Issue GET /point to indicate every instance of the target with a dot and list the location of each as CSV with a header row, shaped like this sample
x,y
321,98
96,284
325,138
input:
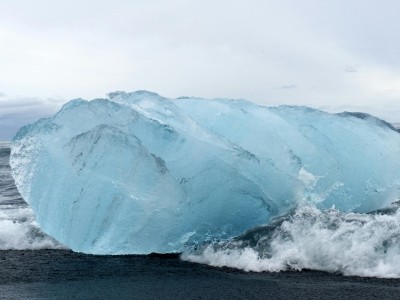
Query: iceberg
x,y
140,173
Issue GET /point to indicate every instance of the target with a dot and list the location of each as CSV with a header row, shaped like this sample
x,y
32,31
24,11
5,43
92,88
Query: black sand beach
x,y
62,274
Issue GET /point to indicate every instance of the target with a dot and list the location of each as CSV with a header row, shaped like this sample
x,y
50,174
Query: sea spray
x,y
308,238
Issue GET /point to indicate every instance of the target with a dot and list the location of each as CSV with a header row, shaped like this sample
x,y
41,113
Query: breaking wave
x,y
308,238
19,231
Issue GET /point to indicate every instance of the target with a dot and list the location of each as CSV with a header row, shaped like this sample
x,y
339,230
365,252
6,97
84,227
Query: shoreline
x,y
61,274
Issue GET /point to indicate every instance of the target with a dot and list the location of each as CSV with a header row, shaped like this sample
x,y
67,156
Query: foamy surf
x,y
332,241
19,231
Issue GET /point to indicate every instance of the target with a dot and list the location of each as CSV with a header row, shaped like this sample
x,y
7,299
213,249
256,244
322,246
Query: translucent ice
x,y
140,173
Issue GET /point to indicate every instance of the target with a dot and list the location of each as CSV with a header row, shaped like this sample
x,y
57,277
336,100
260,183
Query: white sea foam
x,y
19,231
332,241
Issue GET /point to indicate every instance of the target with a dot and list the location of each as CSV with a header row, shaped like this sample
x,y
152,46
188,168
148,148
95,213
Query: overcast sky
x,y
334,55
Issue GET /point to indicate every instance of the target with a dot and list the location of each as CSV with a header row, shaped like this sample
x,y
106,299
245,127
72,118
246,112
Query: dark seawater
x,y
61,274
38,271
9,196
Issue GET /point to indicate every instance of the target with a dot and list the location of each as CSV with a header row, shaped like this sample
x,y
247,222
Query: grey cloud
x,y
16,104
245,52
20,111
388,92
379,110
10,123
287,87
350,69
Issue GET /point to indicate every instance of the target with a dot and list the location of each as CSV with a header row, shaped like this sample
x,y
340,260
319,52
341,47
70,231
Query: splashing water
x,y
308,238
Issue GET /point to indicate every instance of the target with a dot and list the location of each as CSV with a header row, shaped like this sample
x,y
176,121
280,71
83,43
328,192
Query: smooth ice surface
x,y
18,228
140,173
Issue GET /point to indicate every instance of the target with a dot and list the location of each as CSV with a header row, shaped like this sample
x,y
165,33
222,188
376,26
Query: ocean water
x,y
300,255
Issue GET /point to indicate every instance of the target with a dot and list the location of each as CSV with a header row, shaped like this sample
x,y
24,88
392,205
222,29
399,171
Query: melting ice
x,y
18,229
140,173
